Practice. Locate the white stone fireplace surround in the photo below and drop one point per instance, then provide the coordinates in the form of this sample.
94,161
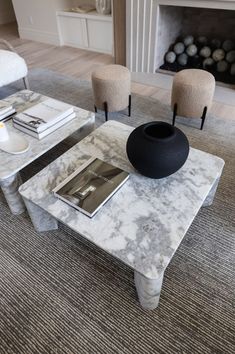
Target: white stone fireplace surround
146,40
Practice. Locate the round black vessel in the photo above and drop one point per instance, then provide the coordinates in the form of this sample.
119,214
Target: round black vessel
157,149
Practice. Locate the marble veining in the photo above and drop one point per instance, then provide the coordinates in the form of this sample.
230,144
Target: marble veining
148,290
41,220
145,221
22,100
10,188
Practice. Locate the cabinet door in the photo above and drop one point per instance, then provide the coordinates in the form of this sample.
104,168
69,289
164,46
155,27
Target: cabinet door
100,35
73,31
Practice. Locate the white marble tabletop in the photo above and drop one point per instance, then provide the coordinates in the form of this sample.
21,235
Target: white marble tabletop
145,221
11,164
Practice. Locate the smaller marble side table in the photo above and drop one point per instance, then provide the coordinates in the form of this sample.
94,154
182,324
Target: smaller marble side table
144,223
11,165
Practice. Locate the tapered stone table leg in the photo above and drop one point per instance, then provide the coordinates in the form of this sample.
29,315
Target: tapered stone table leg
10,188
42,221
209,199
148,290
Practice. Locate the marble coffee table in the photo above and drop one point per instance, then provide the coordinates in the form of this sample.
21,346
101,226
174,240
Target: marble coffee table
10,165
144,223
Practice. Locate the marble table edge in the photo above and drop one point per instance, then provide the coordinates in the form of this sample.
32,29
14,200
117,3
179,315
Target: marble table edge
13,173
39,226
148,290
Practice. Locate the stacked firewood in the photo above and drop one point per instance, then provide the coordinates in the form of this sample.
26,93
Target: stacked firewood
203,53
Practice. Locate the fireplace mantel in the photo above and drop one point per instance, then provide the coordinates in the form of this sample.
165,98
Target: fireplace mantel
142,19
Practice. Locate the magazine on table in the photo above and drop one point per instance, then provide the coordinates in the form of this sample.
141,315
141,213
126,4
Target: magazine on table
91,185
43,115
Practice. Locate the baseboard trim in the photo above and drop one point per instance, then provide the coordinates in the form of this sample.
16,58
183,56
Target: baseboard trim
39,36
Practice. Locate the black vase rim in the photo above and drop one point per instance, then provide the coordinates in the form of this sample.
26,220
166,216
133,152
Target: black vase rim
165,133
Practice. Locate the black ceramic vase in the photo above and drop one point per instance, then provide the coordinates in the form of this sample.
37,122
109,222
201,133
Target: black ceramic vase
157,149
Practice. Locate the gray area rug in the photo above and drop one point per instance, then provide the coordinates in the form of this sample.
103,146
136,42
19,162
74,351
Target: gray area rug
59,294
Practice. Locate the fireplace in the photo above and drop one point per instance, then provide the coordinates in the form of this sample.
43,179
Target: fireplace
190,37
154,26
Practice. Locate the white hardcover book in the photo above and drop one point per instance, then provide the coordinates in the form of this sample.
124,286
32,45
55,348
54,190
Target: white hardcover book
47,131
91,186
44,114
5,108
7,114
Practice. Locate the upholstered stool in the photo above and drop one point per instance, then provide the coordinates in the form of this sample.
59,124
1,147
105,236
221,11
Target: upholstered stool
12,66
111,89
192,94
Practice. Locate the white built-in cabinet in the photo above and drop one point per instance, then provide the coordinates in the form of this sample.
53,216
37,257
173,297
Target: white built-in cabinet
90,31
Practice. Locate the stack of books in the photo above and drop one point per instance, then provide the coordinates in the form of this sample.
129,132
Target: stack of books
44,118
6,110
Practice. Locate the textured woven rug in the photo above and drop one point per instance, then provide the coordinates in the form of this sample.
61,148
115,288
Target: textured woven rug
61,295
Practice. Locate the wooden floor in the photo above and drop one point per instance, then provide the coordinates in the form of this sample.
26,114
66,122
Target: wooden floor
80,63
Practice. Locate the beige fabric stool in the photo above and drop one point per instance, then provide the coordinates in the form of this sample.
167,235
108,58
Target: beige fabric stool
111,89
192,94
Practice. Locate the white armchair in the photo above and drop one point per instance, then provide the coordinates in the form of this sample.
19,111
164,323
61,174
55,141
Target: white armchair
12,66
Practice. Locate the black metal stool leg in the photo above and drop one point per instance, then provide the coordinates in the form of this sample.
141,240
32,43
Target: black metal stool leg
129,107
174,113
203,117
95,108
106,111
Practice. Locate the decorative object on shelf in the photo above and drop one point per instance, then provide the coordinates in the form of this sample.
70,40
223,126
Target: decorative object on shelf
222,66
103,7
213,55
191,50
182,59
157,149
83,9
179,48
230,57
170,57
188,40
218,54
207,63
205,52
228,45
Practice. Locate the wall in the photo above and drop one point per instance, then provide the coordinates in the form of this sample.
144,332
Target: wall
6,12
37,19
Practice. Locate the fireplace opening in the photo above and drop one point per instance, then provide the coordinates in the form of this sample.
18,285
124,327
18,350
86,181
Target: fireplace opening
189,37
